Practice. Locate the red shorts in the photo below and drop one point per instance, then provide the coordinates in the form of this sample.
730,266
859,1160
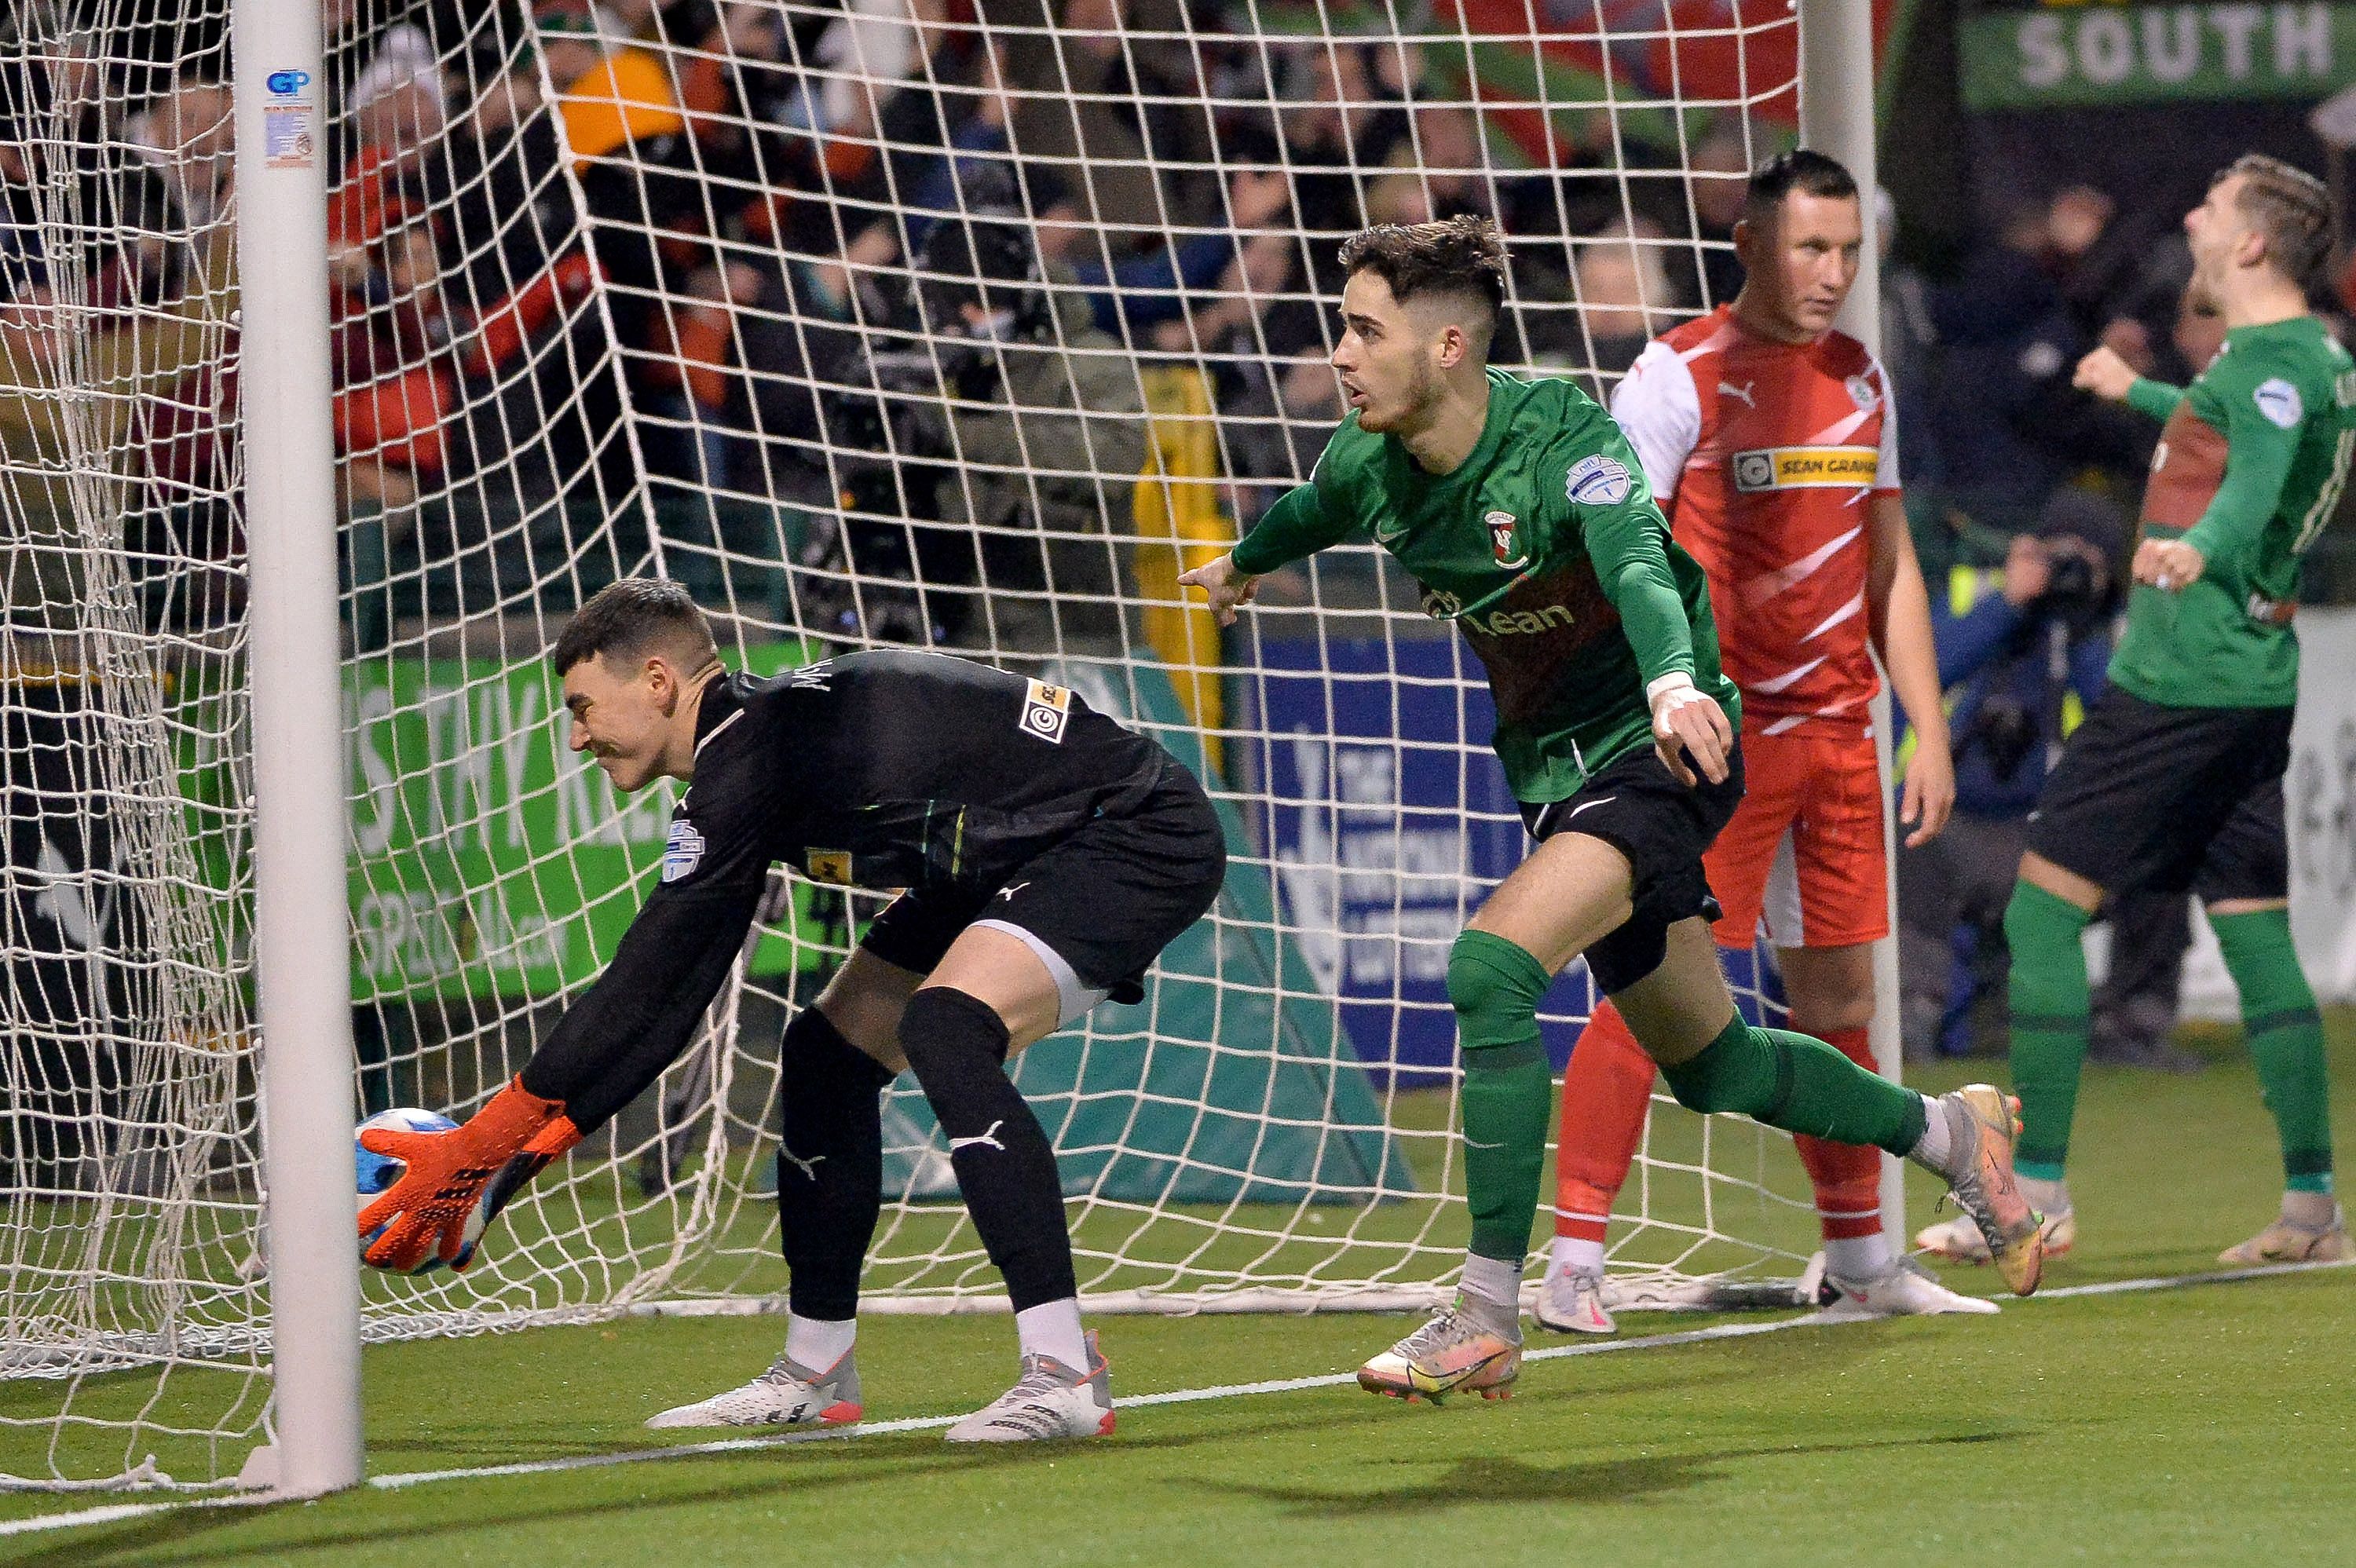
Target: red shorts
1803,851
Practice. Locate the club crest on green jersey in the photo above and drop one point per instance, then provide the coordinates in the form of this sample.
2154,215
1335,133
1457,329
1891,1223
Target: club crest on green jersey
1502,544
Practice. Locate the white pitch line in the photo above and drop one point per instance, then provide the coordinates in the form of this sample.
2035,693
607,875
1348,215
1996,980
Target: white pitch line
116,1513
2220,1277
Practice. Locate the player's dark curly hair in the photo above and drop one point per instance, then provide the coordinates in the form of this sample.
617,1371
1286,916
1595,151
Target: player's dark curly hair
1460,256
634,618
2290,206
1809,173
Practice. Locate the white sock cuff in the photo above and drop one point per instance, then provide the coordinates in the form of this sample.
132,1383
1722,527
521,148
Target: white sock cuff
1052,1329
1857,1257
1932,1149
2047,1197
1494,1280
1575,1255
818,1343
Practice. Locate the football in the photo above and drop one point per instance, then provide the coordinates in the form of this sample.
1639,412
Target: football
374,1173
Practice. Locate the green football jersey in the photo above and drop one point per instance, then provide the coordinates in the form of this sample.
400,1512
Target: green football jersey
2250,464
1546,549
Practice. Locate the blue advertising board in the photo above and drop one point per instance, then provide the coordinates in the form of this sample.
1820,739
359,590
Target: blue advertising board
1389,821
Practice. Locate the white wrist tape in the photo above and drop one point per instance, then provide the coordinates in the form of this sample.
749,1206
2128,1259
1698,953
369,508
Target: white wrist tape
1675,681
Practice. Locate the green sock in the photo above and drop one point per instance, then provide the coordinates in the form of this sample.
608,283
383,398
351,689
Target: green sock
1799,1083
2050,1003
1494,986
2286,1038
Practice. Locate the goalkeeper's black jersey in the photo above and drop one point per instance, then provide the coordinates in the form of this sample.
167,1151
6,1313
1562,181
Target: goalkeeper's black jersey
889,769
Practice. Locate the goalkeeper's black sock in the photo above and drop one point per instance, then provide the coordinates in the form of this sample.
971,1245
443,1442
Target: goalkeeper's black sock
957,1046
830,1164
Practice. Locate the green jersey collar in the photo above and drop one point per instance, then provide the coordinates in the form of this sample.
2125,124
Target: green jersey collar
2290,326
1500,414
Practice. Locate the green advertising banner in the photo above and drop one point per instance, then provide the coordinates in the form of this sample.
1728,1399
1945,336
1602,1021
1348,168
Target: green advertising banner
2079,55
486,858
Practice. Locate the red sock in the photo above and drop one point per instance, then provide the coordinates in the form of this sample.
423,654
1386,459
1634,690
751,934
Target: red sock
1605,1090
1847,1176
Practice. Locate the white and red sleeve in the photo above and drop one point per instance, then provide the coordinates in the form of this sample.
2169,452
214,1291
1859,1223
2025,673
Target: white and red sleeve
1885,470
1659,409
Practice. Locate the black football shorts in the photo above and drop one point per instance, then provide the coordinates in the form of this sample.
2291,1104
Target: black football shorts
1636,806
1098,909
2171,800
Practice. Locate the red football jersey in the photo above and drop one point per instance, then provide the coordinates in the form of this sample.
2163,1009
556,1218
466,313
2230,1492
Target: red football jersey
1762,454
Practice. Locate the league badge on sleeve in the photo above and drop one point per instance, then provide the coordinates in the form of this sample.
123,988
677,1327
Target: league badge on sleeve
683,853
2279,401
1597,480
1501,543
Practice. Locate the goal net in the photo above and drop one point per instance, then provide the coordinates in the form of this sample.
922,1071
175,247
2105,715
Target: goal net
959,324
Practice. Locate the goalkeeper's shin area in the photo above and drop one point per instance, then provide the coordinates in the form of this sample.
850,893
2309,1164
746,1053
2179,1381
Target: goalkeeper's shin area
787,1394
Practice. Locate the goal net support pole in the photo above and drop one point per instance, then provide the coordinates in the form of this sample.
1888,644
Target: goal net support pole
301,947
1837,119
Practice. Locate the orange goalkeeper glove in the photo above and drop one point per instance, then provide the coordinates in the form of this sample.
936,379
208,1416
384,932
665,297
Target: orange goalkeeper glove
455,1181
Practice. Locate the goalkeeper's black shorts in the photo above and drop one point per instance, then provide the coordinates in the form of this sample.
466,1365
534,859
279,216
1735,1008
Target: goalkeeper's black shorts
2150,798
1097,909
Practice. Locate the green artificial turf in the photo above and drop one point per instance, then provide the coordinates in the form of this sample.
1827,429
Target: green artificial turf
2214,1424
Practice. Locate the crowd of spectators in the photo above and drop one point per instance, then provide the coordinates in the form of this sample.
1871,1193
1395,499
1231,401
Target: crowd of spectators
713,213
908,270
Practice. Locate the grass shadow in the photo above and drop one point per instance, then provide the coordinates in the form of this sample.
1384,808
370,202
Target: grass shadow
1491,1479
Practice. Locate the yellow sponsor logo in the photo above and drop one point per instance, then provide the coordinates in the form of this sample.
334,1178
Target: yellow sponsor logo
1806,468
1514,622
828,866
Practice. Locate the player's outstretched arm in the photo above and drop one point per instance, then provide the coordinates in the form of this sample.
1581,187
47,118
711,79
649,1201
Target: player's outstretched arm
1298,525
1898,610
1228,586
630,1025
2110,377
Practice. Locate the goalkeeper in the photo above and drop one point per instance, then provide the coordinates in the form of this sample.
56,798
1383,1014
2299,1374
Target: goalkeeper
1521,510
2175,780
1049,856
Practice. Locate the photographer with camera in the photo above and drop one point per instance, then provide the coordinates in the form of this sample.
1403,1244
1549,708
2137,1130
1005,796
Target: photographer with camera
1009,430
2022,652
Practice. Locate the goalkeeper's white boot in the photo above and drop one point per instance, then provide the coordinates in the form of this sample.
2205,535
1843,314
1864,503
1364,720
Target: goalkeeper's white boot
1904,1289
1959,1240
1049,1400
1571,1301
1467,1347
787,1394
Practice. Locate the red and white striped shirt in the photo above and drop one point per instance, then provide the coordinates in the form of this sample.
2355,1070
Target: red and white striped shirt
1762,454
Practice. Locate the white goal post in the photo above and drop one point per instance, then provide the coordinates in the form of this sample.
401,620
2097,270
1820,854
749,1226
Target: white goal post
337,366
301,952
